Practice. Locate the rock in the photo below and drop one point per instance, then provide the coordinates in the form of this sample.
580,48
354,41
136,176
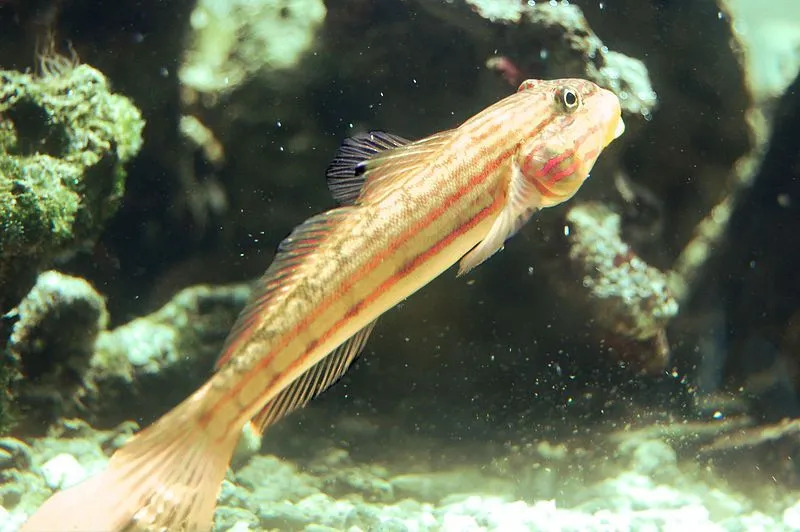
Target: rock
655,459
62,471
14,453
52,342
64,141
755,521
320,528
342,477
441,485
233,41
791,517
389,525
282,516
92,371
364,517
240,526
322,509
285,482
10,522
235,519
769,41
459,523
172,349
722,505
249,445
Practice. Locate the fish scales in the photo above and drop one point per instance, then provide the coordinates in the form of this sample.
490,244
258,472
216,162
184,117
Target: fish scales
422,206
448,205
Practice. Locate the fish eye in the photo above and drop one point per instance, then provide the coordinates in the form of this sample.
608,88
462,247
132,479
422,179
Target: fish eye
569,98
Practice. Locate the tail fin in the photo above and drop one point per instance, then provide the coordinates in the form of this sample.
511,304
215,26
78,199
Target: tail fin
166,478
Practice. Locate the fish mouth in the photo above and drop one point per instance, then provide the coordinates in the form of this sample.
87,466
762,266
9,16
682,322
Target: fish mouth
620,128
616,128
612,117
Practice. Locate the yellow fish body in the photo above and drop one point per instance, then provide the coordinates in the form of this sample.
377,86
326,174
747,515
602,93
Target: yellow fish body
410,210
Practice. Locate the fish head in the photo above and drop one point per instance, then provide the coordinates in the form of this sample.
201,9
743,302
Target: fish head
575,120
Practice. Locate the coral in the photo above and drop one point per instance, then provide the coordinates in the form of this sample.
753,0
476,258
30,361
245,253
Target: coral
64,139
234,40
635,295
566,41
577,48
628,296
770,40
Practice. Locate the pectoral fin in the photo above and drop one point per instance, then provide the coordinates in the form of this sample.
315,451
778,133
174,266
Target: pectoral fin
522,200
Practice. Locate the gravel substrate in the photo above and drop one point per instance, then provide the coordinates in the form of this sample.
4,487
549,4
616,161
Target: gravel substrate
544,487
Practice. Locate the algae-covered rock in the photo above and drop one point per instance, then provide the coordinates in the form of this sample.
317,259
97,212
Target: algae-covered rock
62,360
64,138
233,40
52,340
172,350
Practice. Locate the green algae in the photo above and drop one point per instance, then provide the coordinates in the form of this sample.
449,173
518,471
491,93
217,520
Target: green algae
37,205
64,140
51,342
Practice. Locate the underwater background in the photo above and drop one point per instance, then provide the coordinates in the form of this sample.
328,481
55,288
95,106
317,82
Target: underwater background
630,361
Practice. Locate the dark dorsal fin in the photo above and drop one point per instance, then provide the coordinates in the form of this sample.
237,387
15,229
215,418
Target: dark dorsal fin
372,164
292,253
313,381
347,171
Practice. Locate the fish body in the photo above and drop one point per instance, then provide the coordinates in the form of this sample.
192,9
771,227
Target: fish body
409,211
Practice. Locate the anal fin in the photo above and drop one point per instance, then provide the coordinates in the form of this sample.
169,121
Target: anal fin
313,381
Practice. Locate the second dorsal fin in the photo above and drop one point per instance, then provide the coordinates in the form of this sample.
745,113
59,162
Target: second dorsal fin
290,260
347,171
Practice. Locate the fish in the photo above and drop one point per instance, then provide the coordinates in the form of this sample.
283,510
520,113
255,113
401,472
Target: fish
408,211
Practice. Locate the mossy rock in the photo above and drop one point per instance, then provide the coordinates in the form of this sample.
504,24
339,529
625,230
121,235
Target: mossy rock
64,138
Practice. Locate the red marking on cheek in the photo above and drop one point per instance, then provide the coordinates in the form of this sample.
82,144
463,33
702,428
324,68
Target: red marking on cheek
554,162
566,172
543,190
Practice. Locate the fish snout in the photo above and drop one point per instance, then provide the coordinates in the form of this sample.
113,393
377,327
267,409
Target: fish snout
612,117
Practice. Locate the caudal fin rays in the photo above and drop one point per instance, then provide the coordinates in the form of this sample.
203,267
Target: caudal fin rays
166,478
